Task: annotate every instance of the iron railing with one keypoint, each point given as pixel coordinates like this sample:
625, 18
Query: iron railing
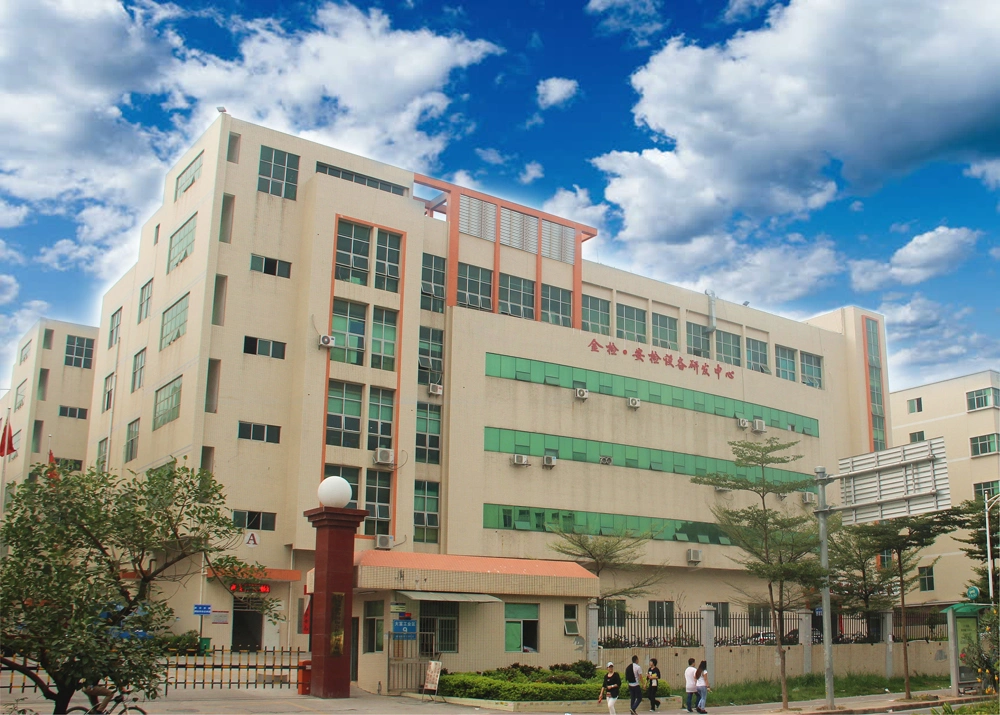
643, 630
755, 628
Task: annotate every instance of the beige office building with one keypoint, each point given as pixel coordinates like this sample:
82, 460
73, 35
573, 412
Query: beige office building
297, 312
965, 411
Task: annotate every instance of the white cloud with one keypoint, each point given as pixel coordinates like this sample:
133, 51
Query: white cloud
927, 255
556, 91
12, 327
857, 206
532, 171
739, 10
641, 19
995, 252
577, 206
8, 288
11, 215
9, 255
986, 171
902, 226
464, 178
492, 156
534, 120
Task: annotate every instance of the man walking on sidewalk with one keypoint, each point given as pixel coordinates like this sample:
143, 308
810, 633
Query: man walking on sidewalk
633, 675
690, 683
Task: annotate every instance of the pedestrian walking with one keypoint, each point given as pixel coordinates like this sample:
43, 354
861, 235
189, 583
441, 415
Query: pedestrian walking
633, 675
690, 687
701, 683
652, 683
609, 689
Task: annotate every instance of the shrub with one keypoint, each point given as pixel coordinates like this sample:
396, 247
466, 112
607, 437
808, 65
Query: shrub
563, 678
585, 669
183, 643
469, 685
560, 667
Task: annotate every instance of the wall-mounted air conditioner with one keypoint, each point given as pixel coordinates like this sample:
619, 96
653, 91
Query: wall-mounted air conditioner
582, 393
743, 422
634, 402
549, 461
694, 556
435, 389
519, 460
384, 456
383, 541
759, 425
605, 460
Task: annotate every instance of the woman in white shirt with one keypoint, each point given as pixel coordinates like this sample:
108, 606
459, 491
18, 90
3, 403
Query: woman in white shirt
701, 682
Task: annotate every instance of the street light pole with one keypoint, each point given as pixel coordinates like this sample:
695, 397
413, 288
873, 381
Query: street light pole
989, 540
822, 512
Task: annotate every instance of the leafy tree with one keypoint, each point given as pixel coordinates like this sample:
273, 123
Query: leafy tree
984, 653
88, 555
612, 554
779, 546
972, 516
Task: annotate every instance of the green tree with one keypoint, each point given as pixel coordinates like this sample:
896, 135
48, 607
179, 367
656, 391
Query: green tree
779, 545
615, 555
984, 654
972, 516
88, 555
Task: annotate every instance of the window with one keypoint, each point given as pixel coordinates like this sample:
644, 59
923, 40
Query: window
631, 323
978, 399
438, 627
74, 465
784, 359
254, 520
156, 234
16, 443
19, 394
25, 352
212, 381
812, 369
661, 614
350, 474
348, 331
181, 243
145, 301
985, 444
664, 331
885, 559
517, 296
428, 433
611, 612
383, 339
986, 489
259, 433
916, 436
353, 246
378, 490
595, 315
226, 218
374, 626
174, 322
261, 346
47, 339
432, 283
475, 287
878, 433
425, 511
699, 341
379, 418
109, 393
167, 404
478, 218
915, 405
187, 177
521, 630
760, 616
387, 261
757, 356
721, 613
571, 623
43, 384
114, 328
727, 348
78, 413
557, 306
102, 454
925, 574
131, 450
219, 300
430, 356
233, 149
36, 436
270, 266
79, 351
360, 179
343, 415
278, 173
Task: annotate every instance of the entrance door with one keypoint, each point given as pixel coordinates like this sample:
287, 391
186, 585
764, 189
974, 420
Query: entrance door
248, 627
355, 632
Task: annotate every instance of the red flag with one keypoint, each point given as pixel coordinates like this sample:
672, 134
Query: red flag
6, 441
52, 473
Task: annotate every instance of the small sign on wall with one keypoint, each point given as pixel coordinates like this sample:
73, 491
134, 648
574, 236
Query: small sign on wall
251, 539
220, 618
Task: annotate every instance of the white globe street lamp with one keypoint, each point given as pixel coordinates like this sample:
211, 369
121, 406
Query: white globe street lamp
334, 492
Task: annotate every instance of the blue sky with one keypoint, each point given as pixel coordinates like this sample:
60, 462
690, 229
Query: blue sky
800, 155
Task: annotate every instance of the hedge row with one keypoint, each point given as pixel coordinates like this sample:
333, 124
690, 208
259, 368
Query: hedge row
470, 685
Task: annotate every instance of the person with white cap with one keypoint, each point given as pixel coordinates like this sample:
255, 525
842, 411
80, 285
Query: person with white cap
612, 684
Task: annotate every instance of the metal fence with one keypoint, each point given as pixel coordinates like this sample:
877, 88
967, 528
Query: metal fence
643, 630
858, 628
920, 625
755, 628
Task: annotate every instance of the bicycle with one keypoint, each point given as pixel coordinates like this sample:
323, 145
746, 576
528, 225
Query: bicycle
121, 699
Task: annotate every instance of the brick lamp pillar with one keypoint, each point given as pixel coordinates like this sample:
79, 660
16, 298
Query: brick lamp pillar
332, 599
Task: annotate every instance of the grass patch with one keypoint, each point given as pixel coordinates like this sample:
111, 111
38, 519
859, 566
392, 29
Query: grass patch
813, 687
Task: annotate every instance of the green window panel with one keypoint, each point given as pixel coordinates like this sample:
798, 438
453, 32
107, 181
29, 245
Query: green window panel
491, 441
491, 516
493, 363
536, 445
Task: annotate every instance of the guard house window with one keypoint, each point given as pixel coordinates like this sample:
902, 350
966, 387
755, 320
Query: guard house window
374, 626
348, 332
254, 520
571, 622
19, 394
378, 494
425, 511
438, 627
475, 287
131, 450
432, 283
557, 306
757, 356
925, 574
727, 348
915, 405
167, 404
916, 436
611, 612
380, 418
79, 413
387, 261
270, 266
631, 323
983, 490
760, 616
430, 356
428, 433
721, 613
343, 415
109, 393
259, 433
984, 444
187, 177
987, 397
812, 369
278, 173
383, 339
138, 369
79, 351
784, 359
261, 346
664, 332
595, 315
353, 249
174, 322
145, 301
699, 341
517, 296
357, 178
25, 352
661, 614
181, 243
350, 475
521, 629
114, 328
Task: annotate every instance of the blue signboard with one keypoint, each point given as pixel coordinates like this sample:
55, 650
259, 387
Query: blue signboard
203, 609
404, 626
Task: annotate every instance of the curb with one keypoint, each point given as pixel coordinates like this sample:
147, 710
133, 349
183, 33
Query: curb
899, 706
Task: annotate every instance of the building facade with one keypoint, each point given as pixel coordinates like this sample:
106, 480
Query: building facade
965, 411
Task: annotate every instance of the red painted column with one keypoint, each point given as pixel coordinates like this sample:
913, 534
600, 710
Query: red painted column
333, 598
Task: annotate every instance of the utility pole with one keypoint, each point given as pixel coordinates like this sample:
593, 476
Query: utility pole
822, 512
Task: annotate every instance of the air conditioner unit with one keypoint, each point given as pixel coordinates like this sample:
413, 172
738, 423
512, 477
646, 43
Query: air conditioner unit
759, 425
582, 393
435, 389
383, 541
326, 341
605, 460
808, 498
743, 422
384, 456
694, 556
634, 403
549, 460
519, 460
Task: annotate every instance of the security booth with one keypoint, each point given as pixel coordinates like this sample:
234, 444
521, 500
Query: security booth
963, 630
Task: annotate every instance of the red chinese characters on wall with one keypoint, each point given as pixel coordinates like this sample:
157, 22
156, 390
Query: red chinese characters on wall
698, 367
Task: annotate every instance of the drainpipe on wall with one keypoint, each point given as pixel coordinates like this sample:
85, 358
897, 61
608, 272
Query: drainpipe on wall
711, 310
